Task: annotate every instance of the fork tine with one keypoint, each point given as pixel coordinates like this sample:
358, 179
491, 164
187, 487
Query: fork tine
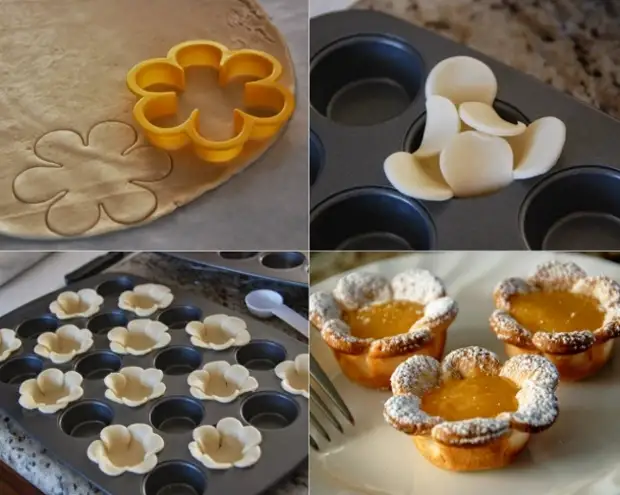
328, 388
320, 404
319, 427
313, 444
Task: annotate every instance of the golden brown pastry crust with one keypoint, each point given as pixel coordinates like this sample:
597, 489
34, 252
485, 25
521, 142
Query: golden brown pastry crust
575, 354
371, 362
478, 443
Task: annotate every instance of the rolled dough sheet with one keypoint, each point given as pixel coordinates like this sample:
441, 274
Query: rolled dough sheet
72, 162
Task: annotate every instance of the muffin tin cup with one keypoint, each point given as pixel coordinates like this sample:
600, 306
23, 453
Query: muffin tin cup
289, 267
281, 417
351, 156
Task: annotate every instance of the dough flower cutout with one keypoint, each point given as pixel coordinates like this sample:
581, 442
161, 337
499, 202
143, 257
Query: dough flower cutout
134, 386
139, 337
123, 449
352, 321
9, 343
221, 381
218, 332
51, 391
105, 173
264, 91
577, 352
64, 344
145, 299
469, 412
226, 445
295, 375
80, 304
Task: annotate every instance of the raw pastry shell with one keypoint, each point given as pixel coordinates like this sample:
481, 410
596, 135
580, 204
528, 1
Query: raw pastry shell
51, 345
88, 297
293, 372
147, 384
66, 387
235, 375
9, 343
205, 333
160, 296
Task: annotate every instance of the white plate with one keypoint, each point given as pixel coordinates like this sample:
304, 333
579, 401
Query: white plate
578, 455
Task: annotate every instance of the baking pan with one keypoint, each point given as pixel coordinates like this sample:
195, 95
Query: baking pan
280, 417
281, 266
367, 76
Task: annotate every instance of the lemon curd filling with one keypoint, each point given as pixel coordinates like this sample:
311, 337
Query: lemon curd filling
478, 397
383, 320
556, 311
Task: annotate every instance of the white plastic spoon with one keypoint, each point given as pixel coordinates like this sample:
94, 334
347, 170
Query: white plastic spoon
266, 303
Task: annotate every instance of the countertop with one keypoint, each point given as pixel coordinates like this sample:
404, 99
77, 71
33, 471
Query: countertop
574, 45
29, 459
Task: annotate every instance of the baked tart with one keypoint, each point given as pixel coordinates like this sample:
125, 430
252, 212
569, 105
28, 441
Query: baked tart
562, 313
373, 324
469, 412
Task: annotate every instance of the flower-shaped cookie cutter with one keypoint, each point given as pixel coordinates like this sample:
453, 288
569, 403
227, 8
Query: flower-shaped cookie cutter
121, 449
9, 343
80, 304
576, 354
51, 391
226, 445
295, 375
477, 443
220, 381
64, 344
264, 92
134, 386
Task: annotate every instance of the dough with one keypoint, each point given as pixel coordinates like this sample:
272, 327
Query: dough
73, 163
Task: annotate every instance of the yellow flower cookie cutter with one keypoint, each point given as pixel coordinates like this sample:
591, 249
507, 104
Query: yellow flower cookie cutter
264, 92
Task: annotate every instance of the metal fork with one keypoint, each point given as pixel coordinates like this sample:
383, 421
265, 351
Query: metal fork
332, 398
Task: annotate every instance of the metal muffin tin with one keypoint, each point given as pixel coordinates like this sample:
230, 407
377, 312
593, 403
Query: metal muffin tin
281, 417
282, 266
367, 76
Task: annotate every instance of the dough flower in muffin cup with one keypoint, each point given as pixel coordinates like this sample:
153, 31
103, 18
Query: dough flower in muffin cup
373, 324
561, 313
469, 412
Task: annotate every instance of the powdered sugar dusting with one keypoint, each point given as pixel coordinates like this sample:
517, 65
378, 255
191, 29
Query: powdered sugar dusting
474, 431
417, 285
360, 289
533, 368
323, 307
404, 413
564, 342
509, 330
556, 275
340, 328
415, 376
468, 362
403, 343
538, 407
604, 289
440, 309
508, 288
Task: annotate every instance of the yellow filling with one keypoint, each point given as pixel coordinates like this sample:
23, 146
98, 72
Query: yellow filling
383, 320
556, 311
479, 397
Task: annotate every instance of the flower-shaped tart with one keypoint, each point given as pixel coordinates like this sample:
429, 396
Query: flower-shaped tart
295, 375
221, 381
80, 304
226, 445
51, 391
469, 412
145, 299
562, 313
263, 91
134, 386
373, 324
218, 332
139, 337
64, 344
9, 343
131, 448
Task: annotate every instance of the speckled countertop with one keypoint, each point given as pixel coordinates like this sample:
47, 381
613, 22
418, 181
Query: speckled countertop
28, 458
573, 45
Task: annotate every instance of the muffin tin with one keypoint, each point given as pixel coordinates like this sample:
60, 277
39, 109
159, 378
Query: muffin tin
283, 266
281, 417
367, 76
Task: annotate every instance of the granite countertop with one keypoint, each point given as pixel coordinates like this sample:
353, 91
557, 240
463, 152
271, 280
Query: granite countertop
29, 459
574, 45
